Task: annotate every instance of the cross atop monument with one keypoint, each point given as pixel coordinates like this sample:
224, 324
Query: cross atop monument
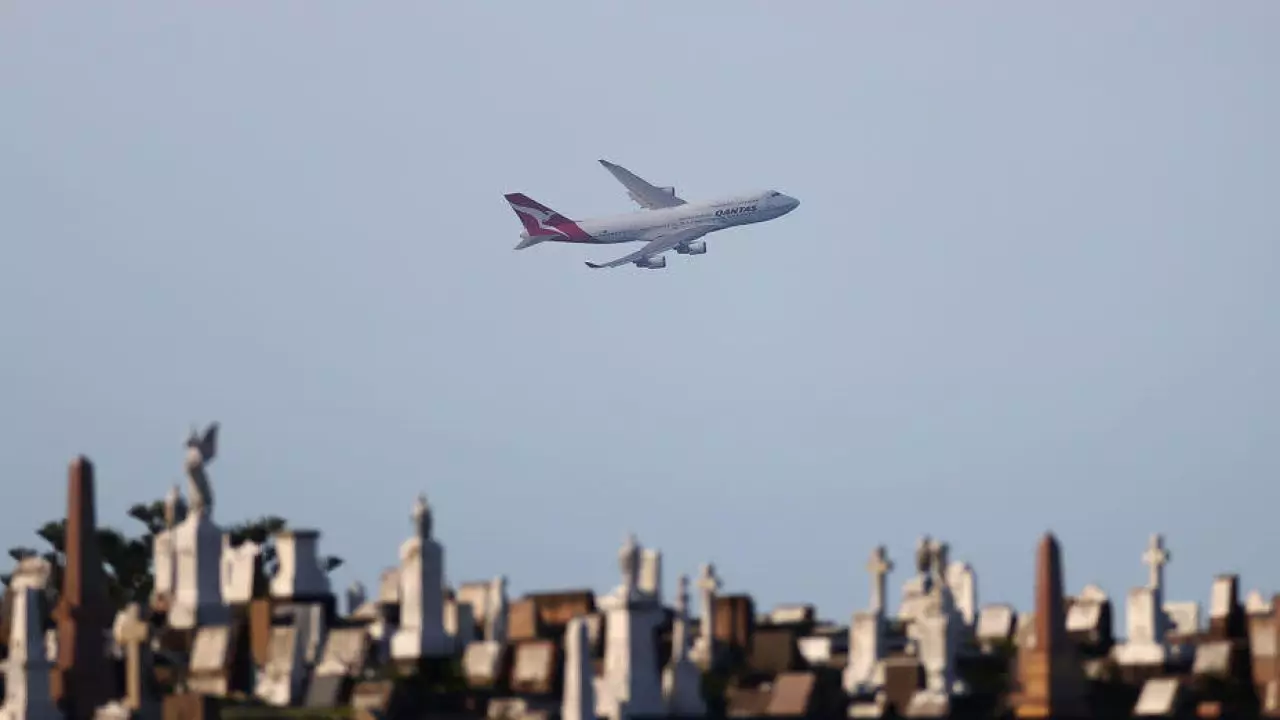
1155, 558
879, 566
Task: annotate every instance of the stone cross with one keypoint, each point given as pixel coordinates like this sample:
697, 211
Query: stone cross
1155, 558
133, 634
200, 452
879, 566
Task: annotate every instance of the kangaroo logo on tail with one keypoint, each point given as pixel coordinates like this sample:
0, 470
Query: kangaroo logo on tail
544, 223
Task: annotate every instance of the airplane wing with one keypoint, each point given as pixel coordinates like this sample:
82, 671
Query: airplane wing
647, 196
656, 246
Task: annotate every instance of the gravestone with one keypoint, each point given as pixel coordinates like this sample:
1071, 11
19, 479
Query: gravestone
864, 674
27, 670
240, 567
1183, 617
299, 574
704, 649
282, 678
879, 566
1155, 558
681, 679
346, 652
963, 584
164, 556
1144, 642
631, 684
578, 701
1050, 681
996, 625
197, 596
495, 626
85, 677
1226, 616
421, 634
482, 663
133, 633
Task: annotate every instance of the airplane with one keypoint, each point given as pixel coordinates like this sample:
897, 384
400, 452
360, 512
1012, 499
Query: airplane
665, 223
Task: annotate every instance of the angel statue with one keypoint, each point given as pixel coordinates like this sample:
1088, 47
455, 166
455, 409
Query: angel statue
200, 451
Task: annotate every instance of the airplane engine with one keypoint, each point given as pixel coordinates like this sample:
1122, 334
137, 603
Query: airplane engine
668, 190
697, 247
652, 263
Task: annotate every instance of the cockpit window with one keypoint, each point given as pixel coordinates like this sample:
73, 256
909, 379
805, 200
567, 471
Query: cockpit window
774, 194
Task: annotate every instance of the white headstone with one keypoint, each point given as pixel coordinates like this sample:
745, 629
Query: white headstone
681, 679
197, 597
280, 683
238, 570
1144, 640
1158, 697
27, 669
578, 701
864, 674
421, 633
963, 584
299, 574
938, 638
1185, 617
459, 624
708, 587
1221, 598
496, 610
996, 623
632, 684
164, 556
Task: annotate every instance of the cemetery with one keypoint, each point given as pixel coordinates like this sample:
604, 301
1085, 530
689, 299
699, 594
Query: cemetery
217, 635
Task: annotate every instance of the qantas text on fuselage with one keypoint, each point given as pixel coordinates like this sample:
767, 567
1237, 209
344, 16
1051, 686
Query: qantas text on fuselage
670, 223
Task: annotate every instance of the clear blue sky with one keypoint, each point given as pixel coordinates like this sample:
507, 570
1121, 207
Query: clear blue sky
1032, 283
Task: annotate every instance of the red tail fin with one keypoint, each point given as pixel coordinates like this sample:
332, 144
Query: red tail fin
544, 223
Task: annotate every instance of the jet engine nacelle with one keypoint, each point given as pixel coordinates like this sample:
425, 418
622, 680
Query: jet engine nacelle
652, 263
668, 190
697, 247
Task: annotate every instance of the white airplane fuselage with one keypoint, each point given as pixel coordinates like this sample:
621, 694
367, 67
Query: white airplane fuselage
666, 223
727, 212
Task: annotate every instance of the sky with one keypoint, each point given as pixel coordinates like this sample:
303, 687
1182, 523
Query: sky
1031, 285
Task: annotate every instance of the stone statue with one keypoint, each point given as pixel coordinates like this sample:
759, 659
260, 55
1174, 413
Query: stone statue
629, 564
200, 452
940, 551
422, 516
924, 562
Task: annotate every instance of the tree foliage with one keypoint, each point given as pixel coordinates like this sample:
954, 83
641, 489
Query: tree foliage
126, 559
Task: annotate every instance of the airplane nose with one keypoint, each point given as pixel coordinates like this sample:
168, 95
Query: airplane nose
792, 203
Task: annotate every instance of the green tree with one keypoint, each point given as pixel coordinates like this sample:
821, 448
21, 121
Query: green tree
126, 559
